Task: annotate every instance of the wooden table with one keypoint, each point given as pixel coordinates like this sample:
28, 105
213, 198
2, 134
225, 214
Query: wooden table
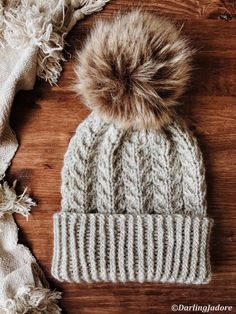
46, 118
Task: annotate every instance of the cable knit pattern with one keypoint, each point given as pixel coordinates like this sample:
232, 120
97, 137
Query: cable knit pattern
133, 207
194, 185
75, 171
130, 173
105, 186
144, 166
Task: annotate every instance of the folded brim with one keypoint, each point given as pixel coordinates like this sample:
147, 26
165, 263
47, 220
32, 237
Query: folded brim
123, 248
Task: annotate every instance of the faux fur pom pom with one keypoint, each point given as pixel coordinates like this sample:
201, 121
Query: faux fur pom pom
133, 69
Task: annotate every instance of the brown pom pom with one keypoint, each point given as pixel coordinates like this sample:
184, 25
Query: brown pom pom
133, 69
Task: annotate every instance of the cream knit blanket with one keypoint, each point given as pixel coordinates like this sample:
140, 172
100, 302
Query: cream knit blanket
32, 34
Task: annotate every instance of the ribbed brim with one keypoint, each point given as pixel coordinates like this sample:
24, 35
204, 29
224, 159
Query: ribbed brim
122, 248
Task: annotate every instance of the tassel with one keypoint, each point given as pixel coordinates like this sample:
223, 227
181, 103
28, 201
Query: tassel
32, 300
44, 24
89, 6
84, 7
38, 23
10, 202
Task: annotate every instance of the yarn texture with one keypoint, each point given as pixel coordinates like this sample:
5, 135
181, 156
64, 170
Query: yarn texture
133, 207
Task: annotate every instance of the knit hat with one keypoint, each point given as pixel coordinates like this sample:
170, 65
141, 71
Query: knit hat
133, 181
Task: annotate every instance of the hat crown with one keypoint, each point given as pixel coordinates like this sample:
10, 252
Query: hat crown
126, 171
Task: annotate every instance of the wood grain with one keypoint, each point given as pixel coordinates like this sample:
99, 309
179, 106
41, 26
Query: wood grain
46, 118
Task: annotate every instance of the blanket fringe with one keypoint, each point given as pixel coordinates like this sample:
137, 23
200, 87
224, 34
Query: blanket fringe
10, 202
45, 24
32, 300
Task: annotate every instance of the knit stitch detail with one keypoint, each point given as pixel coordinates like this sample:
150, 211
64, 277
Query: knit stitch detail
194, 185
121, 248
133, 207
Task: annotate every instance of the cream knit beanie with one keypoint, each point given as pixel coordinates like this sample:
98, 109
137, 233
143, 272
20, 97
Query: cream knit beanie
133, 184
